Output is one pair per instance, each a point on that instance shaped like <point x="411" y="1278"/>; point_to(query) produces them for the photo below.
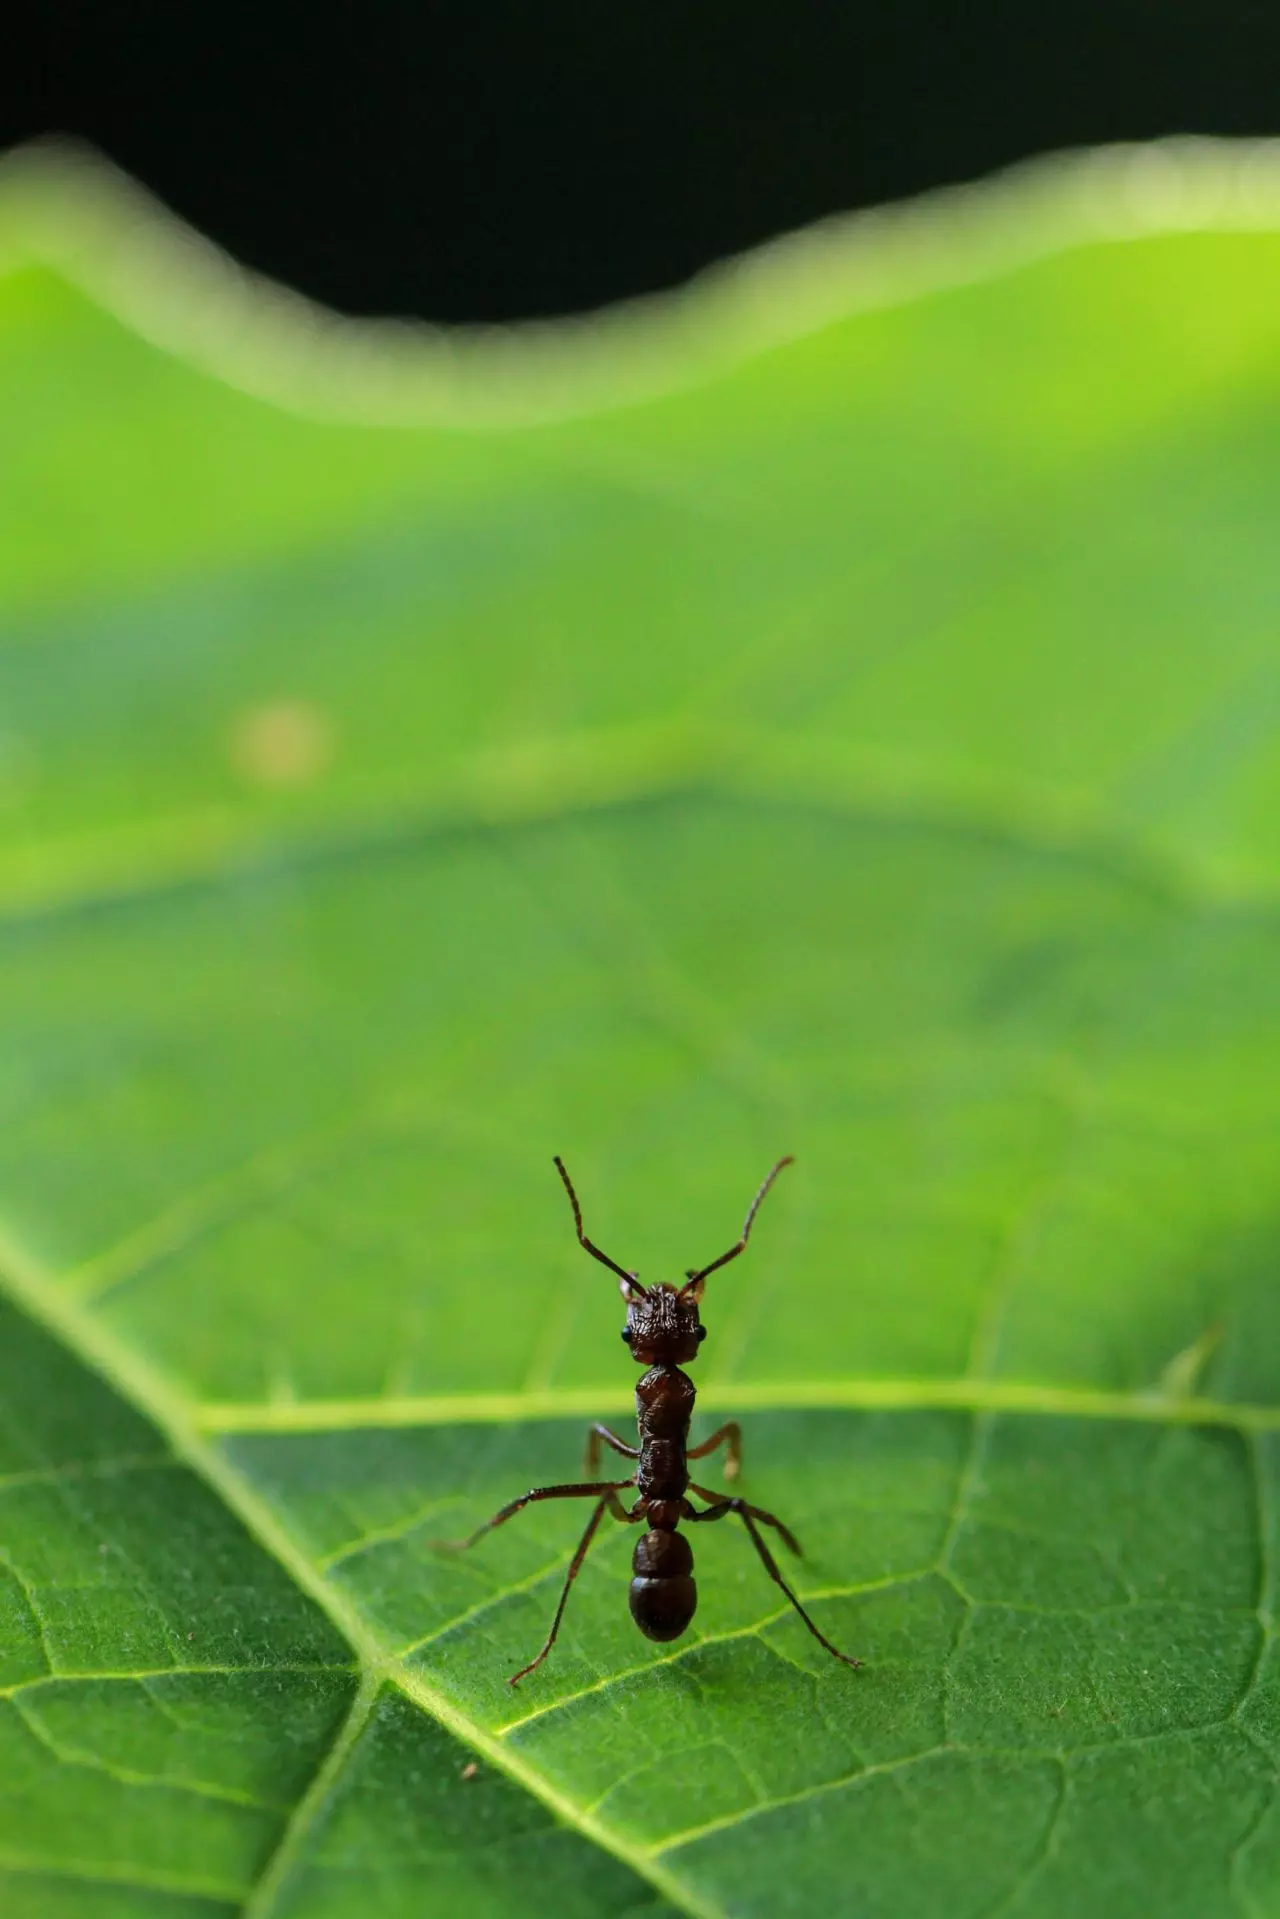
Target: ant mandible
<point x="663" y="1330"/>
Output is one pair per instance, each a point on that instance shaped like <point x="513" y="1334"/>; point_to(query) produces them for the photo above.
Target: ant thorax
<point x="664" y="1403"/>
<point x="663" y="1326"/>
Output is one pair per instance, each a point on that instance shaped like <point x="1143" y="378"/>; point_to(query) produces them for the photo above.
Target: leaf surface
<point x="854" y="738"/>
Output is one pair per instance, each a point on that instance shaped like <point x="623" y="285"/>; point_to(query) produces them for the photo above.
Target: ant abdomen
<point x="664" y="1593"/>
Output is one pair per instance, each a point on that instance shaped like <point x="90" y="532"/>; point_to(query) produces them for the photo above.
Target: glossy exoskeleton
<point x="664" y="1331"/>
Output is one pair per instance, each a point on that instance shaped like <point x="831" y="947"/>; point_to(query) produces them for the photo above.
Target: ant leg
<point x="730" y="1436"/>
<point x="575" y="1565"/>
<point x="591" y="1465"/>
<point x="770" y="1564"/>
<point x="719" y="1504"/>
<point x="592" y="1490"/>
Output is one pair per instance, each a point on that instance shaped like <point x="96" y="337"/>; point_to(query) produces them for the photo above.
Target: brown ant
<point x="664" y="1331"/>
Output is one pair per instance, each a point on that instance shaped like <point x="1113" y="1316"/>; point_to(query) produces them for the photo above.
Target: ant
<point x="663" y="1330"/>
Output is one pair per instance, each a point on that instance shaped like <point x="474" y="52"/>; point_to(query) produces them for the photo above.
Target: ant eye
<point x="626" y="1334"/>
<point x="701" y="1334"/>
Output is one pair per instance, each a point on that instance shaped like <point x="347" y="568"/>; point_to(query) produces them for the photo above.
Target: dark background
<point x="488" y="159"/>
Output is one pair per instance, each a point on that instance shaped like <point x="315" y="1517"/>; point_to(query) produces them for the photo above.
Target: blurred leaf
<point x="859" y="739"/>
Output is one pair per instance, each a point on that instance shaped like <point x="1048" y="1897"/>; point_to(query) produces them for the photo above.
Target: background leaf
<point x="837" y="713"/>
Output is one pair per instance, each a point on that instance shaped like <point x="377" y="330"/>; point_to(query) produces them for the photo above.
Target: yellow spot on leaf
<point x="284" y="743"/>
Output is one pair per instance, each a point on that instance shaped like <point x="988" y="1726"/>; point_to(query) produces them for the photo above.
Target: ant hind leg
<point x="575" y="1566"/>
<point x="748" y="1515"/>
<point x="719" y="1505"/>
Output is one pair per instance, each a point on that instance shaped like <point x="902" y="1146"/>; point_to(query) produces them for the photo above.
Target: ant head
<point x="663" y="1327"/>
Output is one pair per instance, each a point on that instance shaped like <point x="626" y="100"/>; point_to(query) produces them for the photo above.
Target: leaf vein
<point x="302" y="1819"/>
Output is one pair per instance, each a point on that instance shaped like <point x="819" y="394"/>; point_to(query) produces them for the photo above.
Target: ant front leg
<point x="591" y="1464"/>
<point x="730" y="1437"/>
<point x="593" y="1490"/>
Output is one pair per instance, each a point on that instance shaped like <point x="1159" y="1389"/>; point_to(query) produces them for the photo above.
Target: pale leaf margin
<point x="66" y="206"/>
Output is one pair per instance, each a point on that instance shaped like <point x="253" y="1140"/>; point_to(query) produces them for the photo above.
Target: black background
<point x="488" y="159"/>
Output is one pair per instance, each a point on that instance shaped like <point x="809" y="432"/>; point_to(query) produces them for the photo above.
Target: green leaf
<point x="835" y="711"/>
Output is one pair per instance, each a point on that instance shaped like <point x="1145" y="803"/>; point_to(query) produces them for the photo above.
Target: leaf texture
<point x="843" y="730"/>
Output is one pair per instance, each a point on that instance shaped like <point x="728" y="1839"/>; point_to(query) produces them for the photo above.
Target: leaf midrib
<point x="33" y="1288"/>
<point x="190" y="1431"/>
<point x="872" y="1394"/>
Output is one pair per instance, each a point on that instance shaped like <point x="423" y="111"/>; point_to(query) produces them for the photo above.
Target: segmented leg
<point x="591" y="1464"/>
<point x="730" y="1437"/>
<point x="575" y="1565"/>
<point x="720" y="1505"/>
<point x="592" y="1490"/>
<point x="748" y="1516"/>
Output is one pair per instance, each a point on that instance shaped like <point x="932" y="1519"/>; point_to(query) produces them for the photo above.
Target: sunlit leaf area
<point x="772" y="722"/>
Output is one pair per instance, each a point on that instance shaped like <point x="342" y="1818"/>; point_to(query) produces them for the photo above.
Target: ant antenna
<point x="589" y="1246"/>
<point x="695" y="1278"/>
